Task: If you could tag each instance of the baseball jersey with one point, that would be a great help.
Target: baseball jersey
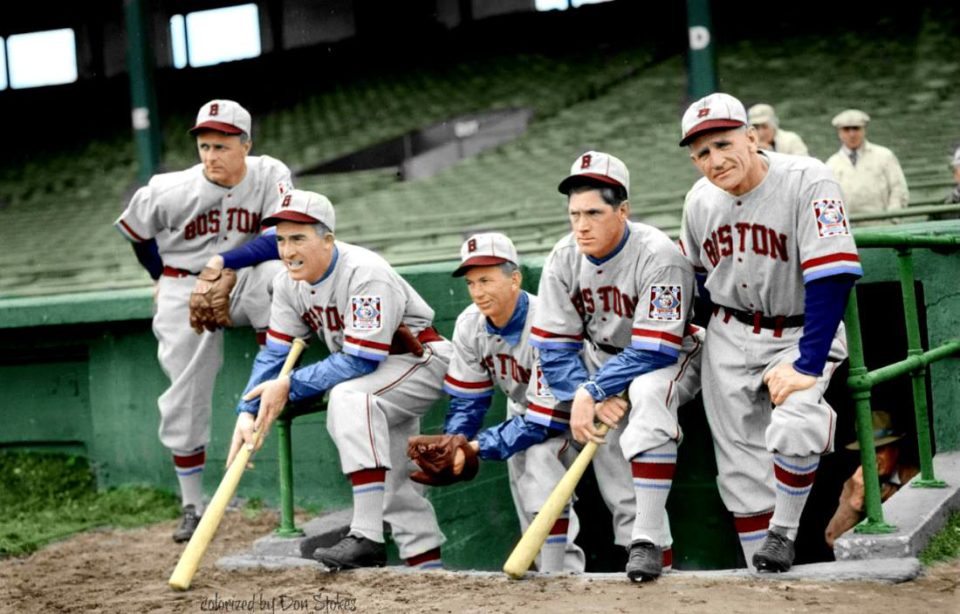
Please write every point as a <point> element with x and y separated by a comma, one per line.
<point>355,308</point>
<point>789,143</point>
<point>640,296</point>
<point>875,184</point>
<point>193,218</point>
<point>758,250</point>
<point>483,359</point>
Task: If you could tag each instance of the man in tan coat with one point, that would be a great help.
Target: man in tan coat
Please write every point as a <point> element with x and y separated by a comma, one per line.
<point>869,175</point>
<point>772,136</point>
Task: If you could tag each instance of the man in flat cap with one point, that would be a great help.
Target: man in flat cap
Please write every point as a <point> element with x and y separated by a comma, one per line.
<point>772,136</point>
<point>869,175</point>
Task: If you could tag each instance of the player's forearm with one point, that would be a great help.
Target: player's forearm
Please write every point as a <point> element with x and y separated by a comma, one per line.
<point>148,254</point>
<point>564,372</point>
<point>313,380</point>
<point>502,441</point>
<point>616,374</point>
<point>465,415</point>
<point>252,253</point>
<point>825,300</point>
<point>266,366</point>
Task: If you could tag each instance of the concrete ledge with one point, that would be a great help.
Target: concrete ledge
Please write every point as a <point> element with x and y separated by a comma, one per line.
<point>918,513</point>
<point>239,562</point>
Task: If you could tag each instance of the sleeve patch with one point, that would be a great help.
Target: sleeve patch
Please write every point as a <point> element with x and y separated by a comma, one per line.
<point>367,312</point>
<point>831,218</point>
<point>665,303</point>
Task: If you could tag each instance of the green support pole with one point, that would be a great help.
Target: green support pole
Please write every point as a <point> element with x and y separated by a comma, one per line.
<point>287,527</point>
<point>146,127</point>
<point>701,68</point>
<point>874,522</point>
<point>918,377</point>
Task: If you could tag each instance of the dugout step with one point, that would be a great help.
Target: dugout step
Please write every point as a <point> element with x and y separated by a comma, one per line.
<point>322,531</point>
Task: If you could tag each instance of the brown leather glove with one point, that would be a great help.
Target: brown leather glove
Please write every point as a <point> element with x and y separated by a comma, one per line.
<point>210,299</point>
<point>435,456</point>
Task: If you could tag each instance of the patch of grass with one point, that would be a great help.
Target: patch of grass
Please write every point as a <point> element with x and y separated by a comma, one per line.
<point>45,497</point>
<point>945,545</point>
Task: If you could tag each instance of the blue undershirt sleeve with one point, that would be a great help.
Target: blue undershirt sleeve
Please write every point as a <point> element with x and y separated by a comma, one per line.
<point>824,302</point>
<point>315,379</point>
<point>616,374</point>
<point>508,438</point>
<point>564,371</point>
<point>254,252</point>
<point>149,257</point>
<point>266,366</point>
<point>465,416</point>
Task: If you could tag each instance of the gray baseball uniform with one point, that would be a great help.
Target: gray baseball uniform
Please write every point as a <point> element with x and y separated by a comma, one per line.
<point>192,220</point>
<point>639,297</point>
<point>482,360</point>
<point>356,308</point>
<point>757,251</point>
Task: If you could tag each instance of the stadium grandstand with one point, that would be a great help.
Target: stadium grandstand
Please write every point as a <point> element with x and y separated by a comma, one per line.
<point>328,79</point>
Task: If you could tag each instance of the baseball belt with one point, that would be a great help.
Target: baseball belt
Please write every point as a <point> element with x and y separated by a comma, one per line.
<point>758,320</point>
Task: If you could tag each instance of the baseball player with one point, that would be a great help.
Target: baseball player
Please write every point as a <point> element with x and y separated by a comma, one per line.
<point>615,304</point>
<point>768,237</point>
<point>385,369</point>
<point>772,136</point>
<point>869,174</point>
<point>198,234</point>
<point>491,348</point>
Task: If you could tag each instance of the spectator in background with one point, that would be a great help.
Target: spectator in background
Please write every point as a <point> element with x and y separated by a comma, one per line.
<point>893,474</point>
<point>953,197</point>
<point>869,175</point>
<point>772,137</point>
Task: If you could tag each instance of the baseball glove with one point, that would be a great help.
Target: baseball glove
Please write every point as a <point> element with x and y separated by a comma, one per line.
<point>210,299</point>
<point>435,455</point>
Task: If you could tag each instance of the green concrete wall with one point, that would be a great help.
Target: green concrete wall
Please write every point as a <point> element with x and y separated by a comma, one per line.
<point>80,375</point>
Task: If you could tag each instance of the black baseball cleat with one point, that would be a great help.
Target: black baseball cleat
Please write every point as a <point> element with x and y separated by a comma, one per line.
<point>645,562</point>
<point>775,554</point>
<point>188,524</point>
<point>352,552</point>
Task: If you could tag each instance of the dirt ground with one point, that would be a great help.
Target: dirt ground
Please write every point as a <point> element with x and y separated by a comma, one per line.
<point>127,571</point>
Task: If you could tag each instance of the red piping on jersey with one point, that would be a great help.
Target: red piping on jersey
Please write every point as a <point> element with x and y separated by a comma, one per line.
<point>368,344</point>
<point>831,258</point>
<point>540,409</point>
<point>279,335</point>
<point>646,332</point>
<point>130,231</point>
<point>407,374</point>
<point>545,333</point>
<point>459,384</point>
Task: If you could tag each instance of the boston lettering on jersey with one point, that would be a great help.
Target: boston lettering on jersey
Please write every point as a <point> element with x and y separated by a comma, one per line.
<point>318,318</point>
<point>238,219</point>
<point>606,298</point>
<point>763,241</point>
<point>504,365</point>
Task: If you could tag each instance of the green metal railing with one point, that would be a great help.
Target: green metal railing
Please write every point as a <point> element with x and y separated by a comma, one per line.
<point>287,526</point>
<point>861,381</point>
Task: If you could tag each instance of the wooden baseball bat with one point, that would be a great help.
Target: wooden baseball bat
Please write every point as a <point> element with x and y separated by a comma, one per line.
<point>536,534</point>
<point>190,558</point>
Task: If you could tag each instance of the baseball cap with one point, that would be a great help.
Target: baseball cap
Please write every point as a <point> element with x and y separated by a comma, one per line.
<point>486,249</point>
<point>852,118</point>
<point>762,114</point>
<point>223,116</point>
<point>596,166</point>
<point>303,207</point>
<point>883,431</point>
<point>718,111</point>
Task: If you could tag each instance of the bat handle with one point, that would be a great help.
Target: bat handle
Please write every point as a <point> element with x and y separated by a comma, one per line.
<point>186,567</point>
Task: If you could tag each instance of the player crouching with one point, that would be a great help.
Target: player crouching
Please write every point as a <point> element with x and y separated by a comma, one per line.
<point>385,369</point>
<point>491,348</point>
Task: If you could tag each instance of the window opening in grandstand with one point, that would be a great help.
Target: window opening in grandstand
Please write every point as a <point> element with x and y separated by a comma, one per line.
<point>43,58</point>
<point>562,5</point>
<point>3,64</point>
<point>205,38</point>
